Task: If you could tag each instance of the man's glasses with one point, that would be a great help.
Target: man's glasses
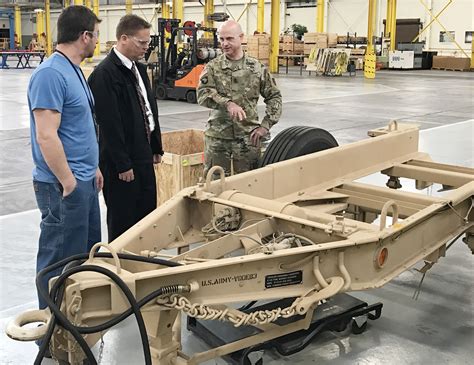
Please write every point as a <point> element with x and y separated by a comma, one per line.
<point>142,42</point>
<point>93,34</point>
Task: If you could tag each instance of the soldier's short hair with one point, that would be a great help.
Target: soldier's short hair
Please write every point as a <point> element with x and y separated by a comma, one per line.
<point>130,24</point>
<point>75,20</point>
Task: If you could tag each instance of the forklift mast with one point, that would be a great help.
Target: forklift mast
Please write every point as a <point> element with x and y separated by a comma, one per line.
<point>179,68</point>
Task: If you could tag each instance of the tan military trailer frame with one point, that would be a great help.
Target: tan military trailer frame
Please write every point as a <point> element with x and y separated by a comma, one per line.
<point>299,228</point>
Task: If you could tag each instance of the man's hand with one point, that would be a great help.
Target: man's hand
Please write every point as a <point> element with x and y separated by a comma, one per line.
<point>156,159</point>
<point>99,180</point>
<point>127,176</point>
<point>69,185</point>
<point>257,135</point>
<point>235,111</point>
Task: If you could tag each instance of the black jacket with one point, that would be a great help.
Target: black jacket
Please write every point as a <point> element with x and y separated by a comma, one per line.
<point>122,135</point>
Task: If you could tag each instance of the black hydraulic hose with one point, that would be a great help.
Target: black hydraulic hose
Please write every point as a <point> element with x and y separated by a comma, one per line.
<point>58,316</point>
<point>64,322</point>
<point>52,323</point>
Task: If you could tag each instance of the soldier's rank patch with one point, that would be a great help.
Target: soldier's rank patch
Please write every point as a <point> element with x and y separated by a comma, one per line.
<point>204,80</point>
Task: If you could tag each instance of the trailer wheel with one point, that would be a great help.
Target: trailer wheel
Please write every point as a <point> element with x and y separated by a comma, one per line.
<point>297,141</point>
<point>191,97</point>
<point>160,92</point>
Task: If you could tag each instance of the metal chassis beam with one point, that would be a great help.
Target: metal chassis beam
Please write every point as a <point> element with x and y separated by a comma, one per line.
<point>345,251</point>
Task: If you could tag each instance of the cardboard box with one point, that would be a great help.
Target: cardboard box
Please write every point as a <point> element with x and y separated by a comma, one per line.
<point>440,62</point>
<point>458,63</point>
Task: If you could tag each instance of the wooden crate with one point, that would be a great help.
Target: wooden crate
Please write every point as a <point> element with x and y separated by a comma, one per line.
<point>332,40</point>
<point>258,39</point>
<point>182,164</point>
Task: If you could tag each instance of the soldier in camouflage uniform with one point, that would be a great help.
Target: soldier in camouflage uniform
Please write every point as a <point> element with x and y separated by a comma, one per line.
<point>231,85</point>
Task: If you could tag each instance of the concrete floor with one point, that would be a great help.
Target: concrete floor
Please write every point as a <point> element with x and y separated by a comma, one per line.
<point>437,328</point>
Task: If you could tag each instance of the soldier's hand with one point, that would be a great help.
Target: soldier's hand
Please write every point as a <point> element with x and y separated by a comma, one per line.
<point>235,111</point>
<point>257,134</point>
<point>127,176</point>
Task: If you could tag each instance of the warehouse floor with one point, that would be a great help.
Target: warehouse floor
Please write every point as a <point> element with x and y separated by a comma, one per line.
<point>437,328</point>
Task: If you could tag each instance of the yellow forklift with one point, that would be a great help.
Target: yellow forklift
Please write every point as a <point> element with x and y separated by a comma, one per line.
<point>179,64</point>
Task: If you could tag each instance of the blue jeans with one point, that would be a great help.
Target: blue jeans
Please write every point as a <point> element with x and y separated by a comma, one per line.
<point>69,225</point>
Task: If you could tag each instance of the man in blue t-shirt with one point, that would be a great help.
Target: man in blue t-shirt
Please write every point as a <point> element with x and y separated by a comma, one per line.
<point>66,176</point>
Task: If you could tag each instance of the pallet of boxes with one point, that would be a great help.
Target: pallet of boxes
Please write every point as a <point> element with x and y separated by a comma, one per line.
<point>290,45</point>
<point>451,63</point>
<point>258,46</point>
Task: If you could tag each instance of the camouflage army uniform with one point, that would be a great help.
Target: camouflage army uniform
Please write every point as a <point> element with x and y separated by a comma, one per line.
<point>242,82</point>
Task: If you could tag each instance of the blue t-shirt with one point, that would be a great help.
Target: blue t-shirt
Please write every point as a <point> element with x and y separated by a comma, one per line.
<point>55,86</point>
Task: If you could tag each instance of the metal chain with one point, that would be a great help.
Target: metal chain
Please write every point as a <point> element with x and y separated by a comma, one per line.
<point>101,349</point>
<point>202,311</point>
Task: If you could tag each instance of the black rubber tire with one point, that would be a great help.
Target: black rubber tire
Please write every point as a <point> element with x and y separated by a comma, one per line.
<point>297,141</point>
<point>191,97</point>
<point>160,92</point>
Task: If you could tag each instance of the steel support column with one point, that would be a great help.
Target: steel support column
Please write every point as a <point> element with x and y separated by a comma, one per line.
<point>393,25</point>
<point>178,10</point>
<point>371,26</point>
<point>208,9</point>
<point>18,24</point>
<point>370,58</point>
<point>320,19</point>
<point>472,53</point>
<point>39,22</point>
<point>260,16</point>
<point>388,19</point>
<point>87,3</point>
<point>67,3</point>
<point>95,9</point>
<point>78,2</point>
<point>128,6</point>
<point>275,36</point>
<point>11,23</point>
<point>49,38</point>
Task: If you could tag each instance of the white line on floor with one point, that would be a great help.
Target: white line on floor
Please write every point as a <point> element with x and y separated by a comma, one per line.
<point>6,216</point>
<point>17,309</point>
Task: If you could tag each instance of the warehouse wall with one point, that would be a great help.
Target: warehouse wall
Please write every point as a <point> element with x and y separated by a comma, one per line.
<point>342,16</point>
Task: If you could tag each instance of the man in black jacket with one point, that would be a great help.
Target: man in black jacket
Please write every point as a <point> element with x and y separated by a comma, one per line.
<point>130,137</point>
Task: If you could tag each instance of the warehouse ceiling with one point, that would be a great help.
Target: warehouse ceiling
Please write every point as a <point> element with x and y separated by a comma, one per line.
<point>34,4</point>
